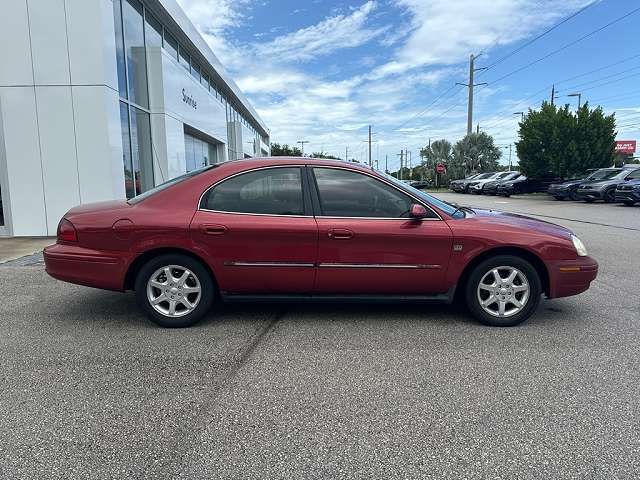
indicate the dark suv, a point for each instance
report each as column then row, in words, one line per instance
column 605, row 189
column 567, row 189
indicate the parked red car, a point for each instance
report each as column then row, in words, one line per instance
column 297, row 228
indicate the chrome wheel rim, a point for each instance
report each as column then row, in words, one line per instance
column 503, row 291
column 174, row 291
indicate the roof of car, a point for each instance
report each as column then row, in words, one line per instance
column 267, row 161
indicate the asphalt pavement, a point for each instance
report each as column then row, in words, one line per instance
column 90, row 389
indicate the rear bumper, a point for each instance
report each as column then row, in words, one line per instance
column 93, row 268
column 571, row 277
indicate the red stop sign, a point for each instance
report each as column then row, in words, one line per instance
column 440, row 168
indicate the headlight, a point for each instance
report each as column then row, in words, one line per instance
column 581, row 250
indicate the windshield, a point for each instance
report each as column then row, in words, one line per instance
column 604, row 174
column 485, row 175
column 167, row 184
column 446, row 207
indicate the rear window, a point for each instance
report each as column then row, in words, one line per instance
column 169, row 183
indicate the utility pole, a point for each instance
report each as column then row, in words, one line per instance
column 370, row 164
column 346, row 154
column 386, row 163
column 470, row 85
column 553, row 94
column 401, row 155
column 410, row 166
column 509, row 157
column 478, row 128
column 302, row 142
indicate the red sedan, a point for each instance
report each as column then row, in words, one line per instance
column 296, row 228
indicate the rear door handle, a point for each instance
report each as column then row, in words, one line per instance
column 213, row 229
column 340, row 234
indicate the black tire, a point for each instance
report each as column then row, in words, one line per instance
column 558, row 198
column 589, row 200
column 574, row 196
column 471, row 290
column 208, row 290
column 610, row 196
column 629, row 203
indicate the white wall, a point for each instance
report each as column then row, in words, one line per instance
column 170, row 113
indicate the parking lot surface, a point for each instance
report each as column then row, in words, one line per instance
column 90, row 389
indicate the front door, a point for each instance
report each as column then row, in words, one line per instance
column 367, row 242
column 259, row 232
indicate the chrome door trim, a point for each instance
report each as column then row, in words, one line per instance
column 379, row 265
column 269, row 264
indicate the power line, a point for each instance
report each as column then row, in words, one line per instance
column 565, row 46
column 595, row 80
column 422, row 112
column 538, row 37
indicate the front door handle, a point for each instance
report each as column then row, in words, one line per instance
column 340, row 234
column 213, row 229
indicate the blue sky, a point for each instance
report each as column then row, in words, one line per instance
column 323, row 70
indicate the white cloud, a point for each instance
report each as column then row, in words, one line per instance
column 333, row 33
column 446, row 31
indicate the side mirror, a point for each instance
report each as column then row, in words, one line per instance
column 417, row 211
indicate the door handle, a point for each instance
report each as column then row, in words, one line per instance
column 340, row 234
column 213, row 229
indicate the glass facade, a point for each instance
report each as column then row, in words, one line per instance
column 135, row 28
column 199, row 153
column 131, row 30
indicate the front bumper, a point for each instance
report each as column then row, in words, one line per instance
column 571, row 277
column 627, row 195
column 583, row 194
column 83, row 266
column 559, row 192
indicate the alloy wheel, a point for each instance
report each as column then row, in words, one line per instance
column 173, row 291
column 503, row 291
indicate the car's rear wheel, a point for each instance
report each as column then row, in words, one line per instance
column 174, row 290
column 503, row 291
column 629, row 203
column 558, row 198
column 574, row 196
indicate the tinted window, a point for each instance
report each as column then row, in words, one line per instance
column 634, row 175
column 350, row 194
column 273, row 191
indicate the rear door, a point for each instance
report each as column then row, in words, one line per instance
column 258, row 228
column 367, row 242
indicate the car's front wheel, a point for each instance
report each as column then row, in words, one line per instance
column 503, row 291
column 174, row 290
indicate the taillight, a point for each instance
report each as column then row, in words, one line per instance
column 66, row 231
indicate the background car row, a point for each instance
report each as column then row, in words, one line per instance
column 606, row 184
column 501, row 183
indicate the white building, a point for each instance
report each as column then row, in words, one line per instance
column 102, row 99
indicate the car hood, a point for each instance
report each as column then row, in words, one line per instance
column 568, row 183
column 597, row 183
column 521, row 221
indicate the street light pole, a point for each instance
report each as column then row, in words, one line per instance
column 521, row 115
column 302, row 142
column 577, row 94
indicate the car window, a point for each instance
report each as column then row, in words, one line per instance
column 272, row 191
column 633, row 175
column 169, row 183
column 344, row 193
column 604, row 174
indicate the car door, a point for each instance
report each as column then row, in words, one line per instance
column 258, row 229
column 367, row 243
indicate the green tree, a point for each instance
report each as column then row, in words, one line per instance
column 284, row 150
column 475, row 152
column 324, row 155
column 555, row 141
